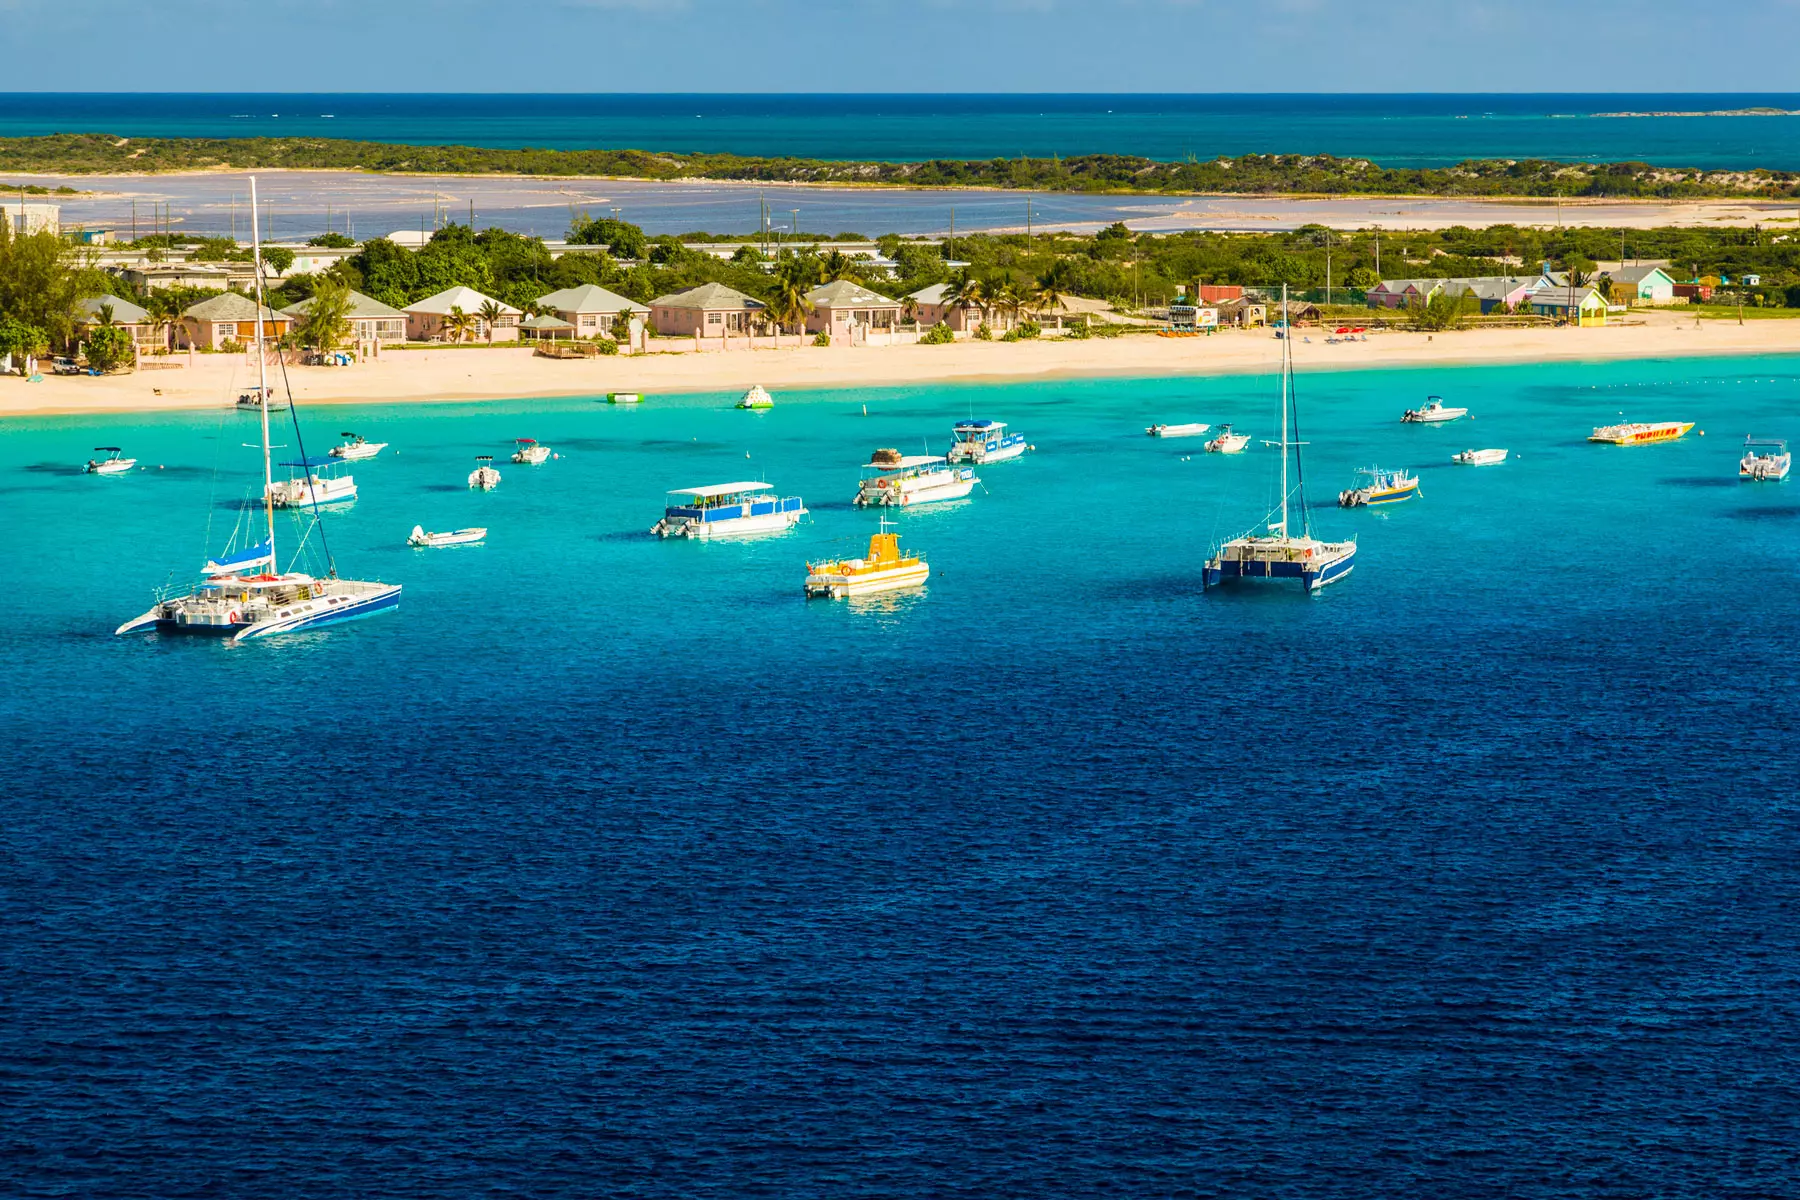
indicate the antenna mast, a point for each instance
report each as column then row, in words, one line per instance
column 262, row 379
column 1287, row 350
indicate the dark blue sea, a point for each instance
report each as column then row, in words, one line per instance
column 1395, row 130
column 612, row 867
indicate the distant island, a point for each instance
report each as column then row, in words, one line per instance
column 1717, row 112
column 1252, row 174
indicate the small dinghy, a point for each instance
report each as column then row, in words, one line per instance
column 458, row 537
column 530, row 452
column 1192, row 429
column 1479, row 458
column 484, row 476
column 115, row 462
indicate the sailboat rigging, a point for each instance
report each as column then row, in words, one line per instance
column 245, row 595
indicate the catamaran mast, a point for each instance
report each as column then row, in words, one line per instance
column 262, row 379
column 1287, row 349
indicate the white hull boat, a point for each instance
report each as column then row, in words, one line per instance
column 1435, row 412
column 983, row 442
column 250, row 402
column 1480, row 458
column 531, row 453
column 1228, row 442
column 1192, row 429
column 1766, row 460
column 459, row 537
column 484, row 477
column 315, row 485
column 113, row 464
column 724, row 510
column 892, row 480
column 355, row 449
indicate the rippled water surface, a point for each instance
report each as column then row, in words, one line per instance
column 612, row 867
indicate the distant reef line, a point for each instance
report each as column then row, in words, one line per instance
column 1251, row 174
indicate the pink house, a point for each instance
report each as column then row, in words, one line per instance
column 849, row 310
column 711, row 310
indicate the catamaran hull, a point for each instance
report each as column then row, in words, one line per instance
column 912, row 497
column 1311, row 578
column 982, row 454
column 840, row 587
column 735, row 527
column 354, row 610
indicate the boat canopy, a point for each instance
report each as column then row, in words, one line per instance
column 526, row 441
column 911, row 460
column 719, row 489
column 979, row 426
column 252, row 556
column 114, row 449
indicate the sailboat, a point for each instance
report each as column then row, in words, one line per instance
column 1272, row 551
column 244, row 595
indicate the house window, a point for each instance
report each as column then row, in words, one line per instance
column 715, row 318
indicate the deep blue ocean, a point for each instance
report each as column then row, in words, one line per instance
column 1395, row 130
column 613, row 867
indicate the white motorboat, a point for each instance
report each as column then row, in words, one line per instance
column 484, row 476
column 624, row 397
column 317, row 483
column 903, row 481
column 1435, row 412
column 1228, row 442
column 459, row 537
column 252, row 400
column 355, row 448
column 530, row 452
column 1272, row 550
column 1191, row 429
column 728, row 510
column 244, row 595
column 1766, row 460
column 984, row 442
column 1479, row 458
column 115, row 462
column 757, row 397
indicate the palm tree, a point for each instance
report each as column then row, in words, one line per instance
column 789, row 305
column 103, row 316
column 966, row 291
column 835, row 266
column 1005, row 297
column 1048, row 299
column 327, row 320
column 909, row 310
column 163, row 313
column 491, row 312
column 459, row 325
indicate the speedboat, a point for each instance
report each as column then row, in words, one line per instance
column 1228, row 442
column 1765, row 460
column 115, row 463
column 459, row 537
column 1435, row 412
column 317, row 483
column 883, row 569
column 984, row 442
column 624, row 397
column 757, row 397
column 1479, row 458
column 355, row 448
column 254, row 400
column 484, row 476
column 890, row 478
column 1192, row 429
column 728, row 510
column 530, row 451
column 1376, row 486
column 1641, row 433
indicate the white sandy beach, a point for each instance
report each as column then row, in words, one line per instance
column 506, row 373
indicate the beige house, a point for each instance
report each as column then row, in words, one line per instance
column 932, row 305
column 425, row 320
column 1243, row 313
column 849, row 310
column 145, row 333
column 370, row 319
column 711, row 310
column 210, row 324
column 593, row 311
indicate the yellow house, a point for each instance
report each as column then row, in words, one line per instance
column 1587, row 305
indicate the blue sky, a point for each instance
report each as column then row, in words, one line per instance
column 923, row 45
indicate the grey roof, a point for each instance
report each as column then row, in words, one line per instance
column 1639, row 274
column 361, row 306
column 931, row 295
column 230, row 307
column 544, row 322
column 465, row 298
column 124, row 311
column 709, row 296
column 590, row 298
column 844, row 293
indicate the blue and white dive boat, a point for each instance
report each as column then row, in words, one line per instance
column 1376, row 486
column 728, row 510
column 1766, row 460
column 903, row 481
column 318, row 482
column 983, row 442
column 243, row 595
column 1272, row 551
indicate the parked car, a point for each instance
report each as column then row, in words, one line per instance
column 67, row 366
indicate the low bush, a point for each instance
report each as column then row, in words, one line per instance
column 822, row 338
column 937, row 335
column 605, row 345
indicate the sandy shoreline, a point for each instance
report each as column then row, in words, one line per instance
column 424, row 376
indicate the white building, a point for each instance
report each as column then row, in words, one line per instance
column 28, row 216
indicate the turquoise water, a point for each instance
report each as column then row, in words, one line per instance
column 608, row 865
column 1395, row 130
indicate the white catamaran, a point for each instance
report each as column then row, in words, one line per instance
column 244, row 595
column 1274, row 552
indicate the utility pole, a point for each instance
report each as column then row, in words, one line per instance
column 1378, row 252
column 1028, row 222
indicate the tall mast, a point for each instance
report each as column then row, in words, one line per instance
column 262, row 379
column 1287, row 349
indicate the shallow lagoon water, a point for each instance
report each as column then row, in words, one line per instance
column 613, row 866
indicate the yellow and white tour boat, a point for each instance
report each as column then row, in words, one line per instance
column 1641, row 434
column 883, row 569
